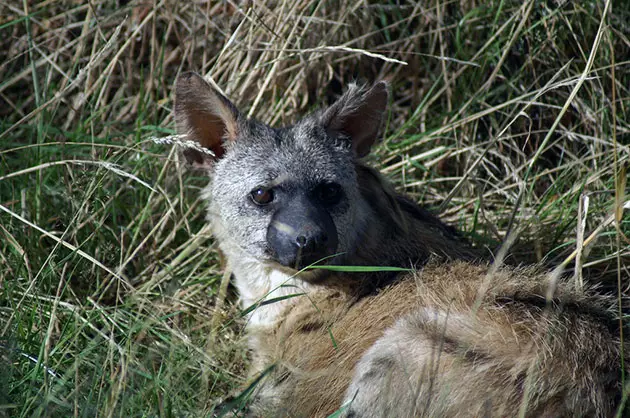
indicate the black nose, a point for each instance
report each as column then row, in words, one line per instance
column 301, row 241
column 301, row 234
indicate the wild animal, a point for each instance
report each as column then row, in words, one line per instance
column 446, row 334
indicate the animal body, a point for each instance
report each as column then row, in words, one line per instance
column 453, row 337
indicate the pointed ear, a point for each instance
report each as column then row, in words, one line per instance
column 358, row 114
column 204, row 116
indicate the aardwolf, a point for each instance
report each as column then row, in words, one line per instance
column 454, row 337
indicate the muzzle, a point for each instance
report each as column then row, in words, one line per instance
column 301, row 233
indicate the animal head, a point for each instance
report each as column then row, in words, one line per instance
column 290, row 195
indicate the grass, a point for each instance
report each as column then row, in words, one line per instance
column 506, row 117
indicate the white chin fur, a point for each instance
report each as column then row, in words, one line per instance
column 258, row 282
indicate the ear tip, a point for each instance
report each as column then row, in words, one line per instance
column 188, row 79
column 186, row 75
column 381, row 86
column 380, row 92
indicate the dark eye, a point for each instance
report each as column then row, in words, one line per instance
column 262, row 195
column 329, row 193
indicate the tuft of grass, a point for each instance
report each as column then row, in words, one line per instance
column 510, row 119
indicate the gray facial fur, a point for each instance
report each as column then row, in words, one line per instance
column 292, row 159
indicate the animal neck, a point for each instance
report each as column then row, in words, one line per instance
column 402, row 233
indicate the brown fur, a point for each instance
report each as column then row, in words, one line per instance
column 490, row 355
column 318, row 341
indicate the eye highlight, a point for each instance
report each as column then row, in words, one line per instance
column 329, row 193
column 262, row 195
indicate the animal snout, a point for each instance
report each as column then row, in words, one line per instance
column 310, row 238
column 299, row 239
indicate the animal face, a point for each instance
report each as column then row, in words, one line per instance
column 288, row 196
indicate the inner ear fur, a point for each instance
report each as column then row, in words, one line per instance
column 205, row 116
column 358, row 113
